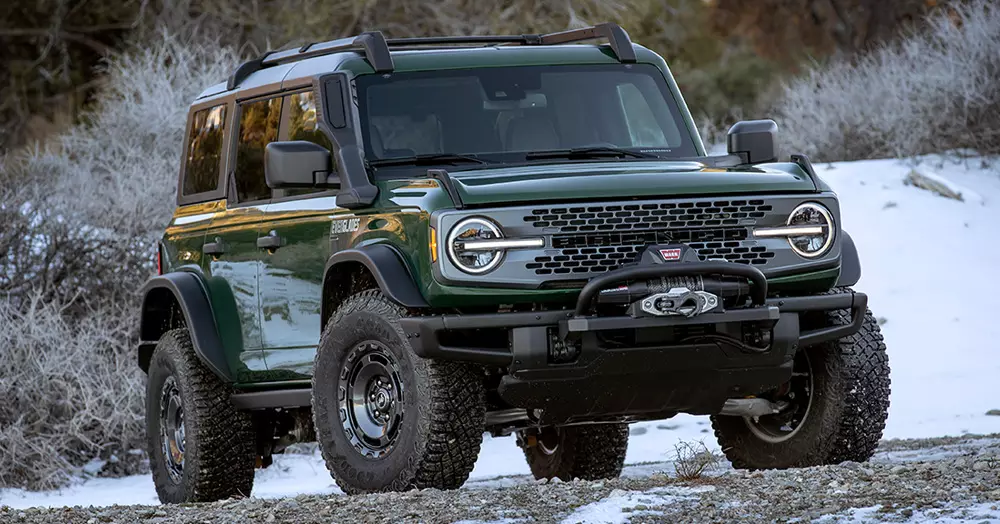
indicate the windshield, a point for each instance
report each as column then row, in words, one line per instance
column 503, row 114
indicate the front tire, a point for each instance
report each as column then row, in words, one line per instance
column 847, row 384
column 201, row 448
column 386, row 419
column 591, row 452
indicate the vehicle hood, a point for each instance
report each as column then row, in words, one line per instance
column 608, row 180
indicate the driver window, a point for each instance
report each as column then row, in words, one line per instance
column 258, row 127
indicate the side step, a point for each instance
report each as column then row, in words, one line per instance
column 279, row 398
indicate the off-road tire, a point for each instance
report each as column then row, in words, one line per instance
column 849, row 406
column 219, row 454
column 444, row 409
column 591, row 452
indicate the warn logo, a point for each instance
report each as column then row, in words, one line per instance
column 670, row 254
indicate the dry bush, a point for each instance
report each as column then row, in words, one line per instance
column 694, row 459
column 80, row 218
column 934, row 91
column 71, row 392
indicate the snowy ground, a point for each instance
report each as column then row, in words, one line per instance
column 927, row 264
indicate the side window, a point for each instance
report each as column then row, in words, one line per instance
column 204, row 152
column 258, row 127
column 302, row 123
column 642, row 125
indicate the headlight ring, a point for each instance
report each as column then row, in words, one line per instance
column 811, row 214
column 479, row 261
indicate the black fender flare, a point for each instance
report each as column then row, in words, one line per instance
column 850, row 263
column 188, row 290
column 386, row 266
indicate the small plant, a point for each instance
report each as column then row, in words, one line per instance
column 693, row 459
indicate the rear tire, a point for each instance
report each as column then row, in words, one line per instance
column 386, row 419
column 844, row 419
column 591, row 452
column 201, row 448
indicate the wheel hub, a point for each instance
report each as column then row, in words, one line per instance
column 172, row 437
column 370, row 392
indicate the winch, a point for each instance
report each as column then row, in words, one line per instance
column 678, row 296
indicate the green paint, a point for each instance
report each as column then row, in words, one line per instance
column 267, row 303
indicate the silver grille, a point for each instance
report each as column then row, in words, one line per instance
column 597, row 238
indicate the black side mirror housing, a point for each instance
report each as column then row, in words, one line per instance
column 753, row 140
column 297, row 164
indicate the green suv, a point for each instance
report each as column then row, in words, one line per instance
column 392, row 246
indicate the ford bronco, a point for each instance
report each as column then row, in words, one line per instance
column 393, row 246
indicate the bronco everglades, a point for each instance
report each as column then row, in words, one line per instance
column 391, row 246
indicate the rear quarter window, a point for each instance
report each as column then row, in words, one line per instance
column 204, row 151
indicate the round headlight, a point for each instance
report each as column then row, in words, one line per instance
column 814, row 245
column 474, row 261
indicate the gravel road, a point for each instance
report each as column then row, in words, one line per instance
column 907, row 481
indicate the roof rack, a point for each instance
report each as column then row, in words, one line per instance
column 376, row 47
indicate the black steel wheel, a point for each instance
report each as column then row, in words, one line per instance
column 371, row 405
column 796, row 397
column 837, row 405
column 386, row 419
column 201, row 448
column 172, row 429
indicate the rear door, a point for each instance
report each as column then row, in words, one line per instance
column 232, row 257
column 291, row 279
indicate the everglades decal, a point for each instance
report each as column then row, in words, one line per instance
column 347, row 225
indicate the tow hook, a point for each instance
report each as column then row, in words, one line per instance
column 678, row 301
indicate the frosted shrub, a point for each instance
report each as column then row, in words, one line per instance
column 934, row 91
column 79, row 218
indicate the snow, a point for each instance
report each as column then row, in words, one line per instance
column 947, row 513
column 929, row 269
column 621, row 506
column 928, row 266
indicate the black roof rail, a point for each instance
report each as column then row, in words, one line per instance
column 621, row 44
column 372, row 43
column 376, row 47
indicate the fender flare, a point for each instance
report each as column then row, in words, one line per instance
column 386, row 266
column 850, row 263
column 188, row 291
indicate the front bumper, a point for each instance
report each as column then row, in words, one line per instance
column 655, row 380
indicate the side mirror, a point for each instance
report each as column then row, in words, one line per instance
column 753, row 140
column 297, row 164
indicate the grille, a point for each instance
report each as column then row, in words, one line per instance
column 658, row 215
column 600, row 238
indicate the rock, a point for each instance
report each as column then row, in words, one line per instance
column 980, row 465
column 933, row 184
column 993, row 412
column 897, row 470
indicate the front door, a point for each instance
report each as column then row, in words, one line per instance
column 296, row 240
column 291, row 283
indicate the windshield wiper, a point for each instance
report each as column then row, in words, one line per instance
column 587, row 152
column 427, row 160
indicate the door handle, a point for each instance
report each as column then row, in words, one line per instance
column 271, row 241
column 214, row 248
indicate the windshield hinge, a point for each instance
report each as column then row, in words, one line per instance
column 448, row 183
